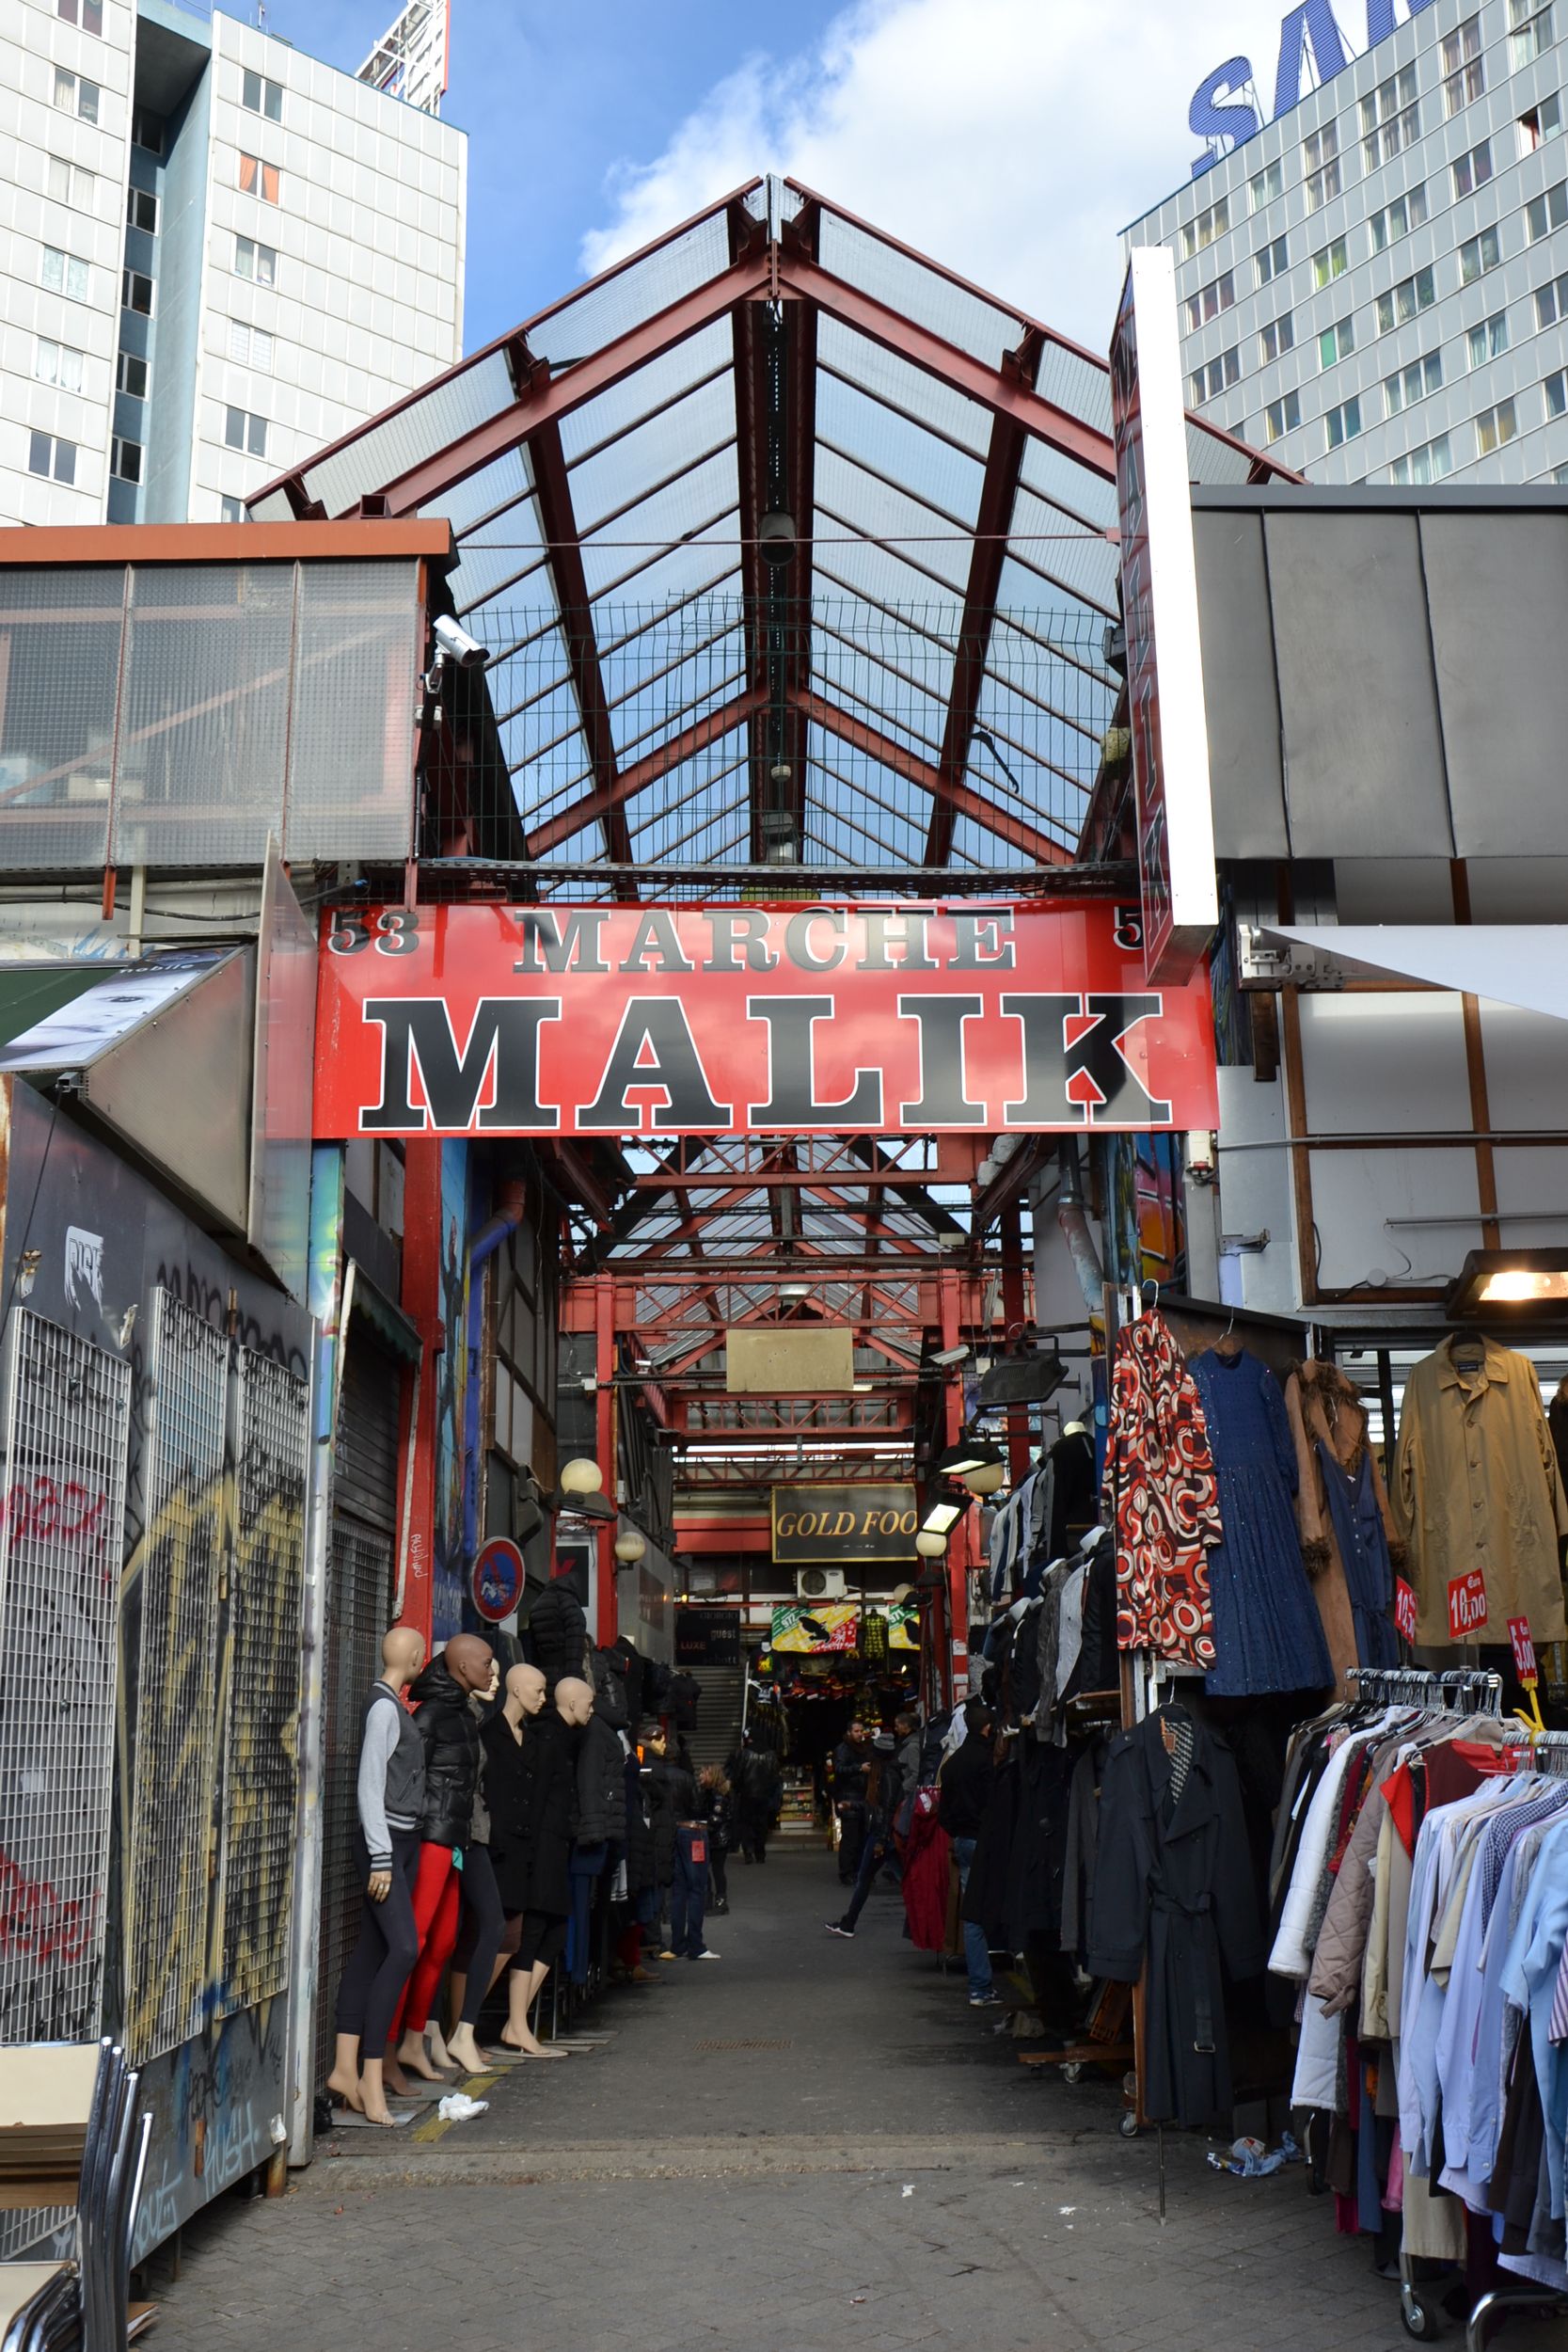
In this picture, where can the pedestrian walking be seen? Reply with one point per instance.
(964, 1787)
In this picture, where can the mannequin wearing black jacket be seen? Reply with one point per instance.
(557, 1626)
(449, 1730)
(549, 1817)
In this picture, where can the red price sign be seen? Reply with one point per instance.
(1466, 1605)
(1524, 1651)
(1404, 1608)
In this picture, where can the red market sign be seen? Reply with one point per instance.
(1524, 1652)
(1466, 1605)
(723, 1019)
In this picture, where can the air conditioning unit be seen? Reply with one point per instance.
(819, 1584)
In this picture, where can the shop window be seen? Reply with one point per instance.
(1495, 428)
(52, 457)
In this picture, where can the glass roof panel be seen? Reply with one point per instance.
(918, 293)
(972, 845)
(647, 389)
(597, 316)
(695, 570)
(866, 429)
(1044, 538)
(497, 484)
(845, 787)
(898, 656)
(1046, 764)
(1058, 621)
(853, 498)
(870, 692)
(902, 386)
(383, 453)
(701, 420)
(699, 505)
(1212, 460)
(884, 578)
(1049, 685)
(1068, 486)
(1074, 381)
(708, 676)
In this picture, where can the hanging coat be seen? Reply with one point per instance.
(927, 1866)
(1163, 1496)
(1173, 1884)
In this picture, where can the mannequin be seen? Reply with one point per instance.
(451, 1744)
(387, 1847)
(550, 1813)
(504, 1736)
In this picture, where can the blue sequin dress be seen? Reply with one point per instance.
(1268, 1635)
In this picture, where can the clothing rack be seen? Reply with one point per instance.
(1469, 1689)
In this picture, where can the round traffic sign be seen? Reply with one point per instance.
(497, 1582)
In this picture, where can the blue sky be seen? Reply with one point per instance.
(1013, 139)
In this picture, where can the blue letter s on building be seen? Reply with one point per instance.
(1209, 119)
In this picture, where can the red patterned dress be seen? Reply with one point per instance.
(1160, 1481)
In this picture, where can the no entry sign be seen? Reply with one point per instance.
(721, 1020)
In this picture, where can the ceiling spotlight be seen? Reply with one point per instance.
(780, 771)
(941, 1518)
(1516, 1280)
(969, 1456)
(776, 537)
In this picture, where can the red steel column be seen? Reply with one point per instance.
(421, 1304)
(960, 1549)
(606, 1443)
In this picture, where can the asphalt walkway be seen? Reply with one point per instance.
(804, 2144)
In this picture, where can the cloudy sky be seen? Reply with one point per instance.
(1010, 138)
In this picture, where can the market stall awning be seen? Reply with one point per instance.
(1513, 964)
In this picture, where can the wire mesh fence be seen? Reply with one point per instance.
(836, 733)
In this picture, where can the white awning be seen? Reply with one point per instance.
(1513, 964)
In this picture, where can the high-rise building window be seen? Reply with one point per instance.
(75, 95)
(1541, 123)
(259, 178)
(1464, 69)
(263, 97)
(141, 210)
(243, 431)
(1530, 32)
(1477, 255)
(1495, 428)
(1545, 212)
(1336, 342)
(68, 183)
(62, 273)
(1472, 169)
(132, 375)
(1272, 260)
(1196, 233)
(1321, 155)
(135, 293)
(125, 460)
(1265, 186)
(1551, 301)
(250, 346)
(1215, 376)
(1487, 340)
(1210, 300)
(1408, 385)
(1277, 335)
(1429, 463)
(1557, 394)
(1329, 262)
(1398, 217)
(230, 510)
(88, 14)
(57, 363)
(1390, 118)
(1344, 422)
(52, 457)
(1282, 416)
(255, 260)
(146, 129)
(1406, 301)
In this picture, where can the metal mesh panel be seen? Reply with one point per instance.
(172, 1805)
(203, 731)
(351, 751)
(59, 669)
(62, 1530)
(362, 1572)
(261, 1749)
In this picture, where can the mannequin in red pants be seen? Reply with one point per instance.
(448, 1722)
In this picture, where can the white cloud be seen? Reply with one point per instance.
(1011, 139)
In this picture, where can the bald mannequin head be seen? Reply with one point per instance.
(525, 1694)
(473, 1664)
(573, 1700)
(402, 1656)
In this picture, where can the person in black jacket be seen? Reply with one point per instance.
(679, 1834)
(851, 1773)
(877, 1847)
(449, 1729)
(757, 1787)
(716, 1803)
(964, 1789)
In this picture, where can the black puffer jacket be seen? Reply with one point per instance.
(641, 1863)
(601, 1781)
(549, 1801)
(680, 1701)
(612, 1695)
(445, 1724)
(672, 1799)
(558, 1628)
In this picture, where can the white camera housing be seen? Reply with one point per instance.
(456, 644)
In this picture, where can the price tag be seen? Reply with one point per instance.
(1466, 1605)
(1524, 1651)
(1404, 1608)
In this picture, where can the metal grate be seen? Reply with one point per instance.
(260, 1748)
(357, 1609)
(176, 1718)
(61, 1530)
(745, 2046)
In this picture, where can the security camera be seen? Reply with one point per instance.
(458, 646)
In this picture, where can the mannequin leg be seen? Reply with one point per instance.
(433, 1955)
(529, 1971)
(343, 2081)
(481, 1902)
(375, 1978)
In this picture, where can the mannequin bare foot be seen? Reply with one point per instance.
(529, 2045)
(436, 2042)
(345, 2089)
(374, 2108)
(395, 2080)
(343, 2081)
(413, 2056)
(465, 2051)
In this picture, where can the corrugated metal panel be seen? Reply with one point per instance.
(366, 1475)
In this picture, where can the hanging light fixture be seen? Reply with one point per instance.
(581, 1476)
(629, 1546)
(943, 1518)
(1516, 1286)
(929, 1545)
(969, 1456)
(987, 1479)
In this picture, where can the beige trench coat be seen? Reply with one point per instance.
(1476, 1486)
